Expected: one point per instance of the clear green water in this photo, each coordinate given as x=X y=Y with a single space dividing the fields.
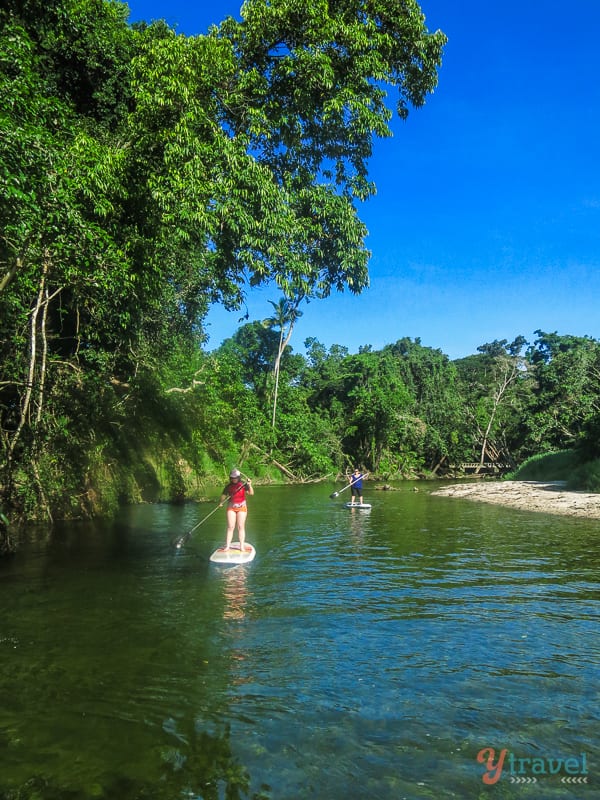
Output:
x=363 y=654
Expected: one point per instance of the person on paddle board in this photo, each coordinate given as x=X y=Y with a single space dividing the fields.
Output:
x=237 y=511
x=356 y=486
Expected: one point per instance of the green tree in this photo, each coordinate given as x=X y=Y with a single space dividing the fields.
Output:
x=567 y=391
x=306 y=441
x=432 y=380
x=309 y=97
x=495 y=384
x=253 y=347
x=286 y=314
x=147 y=174
x=57 y=180
x=369 y=406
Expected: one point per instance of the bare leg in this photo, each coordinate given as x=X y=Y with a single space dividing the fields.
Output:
x=241 y=526
x=230 y=526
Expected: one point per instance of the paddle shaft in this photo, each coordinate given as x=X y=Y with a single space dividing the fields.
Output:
x=183 y=539
x=335 y=494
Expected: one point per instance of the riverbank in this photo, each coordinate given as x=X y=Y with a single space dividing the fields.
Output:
x=548 y=497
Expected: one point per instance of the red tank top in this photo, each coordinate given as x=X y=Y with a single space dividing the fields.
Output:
x=236 y=492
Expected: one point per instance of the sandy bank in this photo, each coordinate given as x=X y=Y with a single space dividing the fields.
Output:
x=549 y=498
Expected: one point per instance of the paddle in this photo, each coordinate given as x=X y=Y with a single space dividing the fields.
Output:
x=335 y=494
x=246 y=479
x=183 y=539
x=244 y=476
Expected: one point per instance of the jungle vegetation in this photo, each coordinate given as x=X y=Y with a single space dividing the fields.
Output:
x=146 y=175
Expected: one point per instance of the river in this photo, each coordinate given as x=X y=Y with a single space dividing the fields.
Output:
x=426 y=648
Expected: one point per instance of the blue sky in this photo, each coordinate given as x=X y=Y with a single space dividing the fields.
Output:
x=486 y=222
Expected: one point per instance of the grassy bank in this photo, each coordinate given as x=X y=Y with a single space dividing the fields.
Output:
x=565 y=465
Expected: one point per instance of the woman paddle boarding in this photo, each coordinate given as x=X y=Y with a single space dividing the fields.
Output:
x=356 y=482
x=237 y=511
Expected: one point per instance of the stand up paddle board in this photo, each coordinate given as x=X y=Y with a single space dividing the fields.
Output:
x=233 y=555
x=358 y=505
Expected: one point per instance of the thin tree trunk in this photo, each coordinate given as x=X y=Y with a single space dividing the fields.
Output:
x=10 y=274
x=508 y=378
x=276 y=370
x=282 y=345
x=32 y=366
x=285 y=470
x=42 y=381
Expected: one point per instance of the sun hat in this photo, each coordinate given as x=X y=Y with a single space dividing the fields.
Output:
x=235 y=473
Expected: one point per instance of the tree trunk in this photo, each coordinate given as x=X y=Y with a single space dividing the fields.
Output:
x=32 y=366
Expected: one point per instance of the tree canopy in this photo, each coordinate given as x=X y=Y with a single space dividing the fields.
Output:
x=146 y=175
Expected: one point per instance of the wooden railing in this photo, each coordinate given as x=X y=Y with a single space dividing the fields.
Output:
x=487 y=466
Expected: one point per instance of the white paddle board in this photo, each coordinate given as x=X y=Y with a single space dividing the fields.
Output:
x=233 y=555
x=358 y=505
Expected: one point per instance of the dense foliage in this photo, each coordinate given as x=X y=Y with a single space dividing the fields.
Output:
x=146 y=175
x=408 y=410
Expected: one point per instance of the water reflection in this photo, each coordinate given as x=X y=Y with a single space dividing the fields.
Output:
x=235 y=592
x=357 y=527
x=360 y=655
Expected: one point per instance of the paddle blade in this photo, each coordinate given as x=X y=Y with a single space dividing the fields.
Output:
x=335 y=494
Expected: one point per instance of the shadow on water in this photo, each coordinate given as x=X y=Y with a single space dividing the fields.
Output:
x=364 y=653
